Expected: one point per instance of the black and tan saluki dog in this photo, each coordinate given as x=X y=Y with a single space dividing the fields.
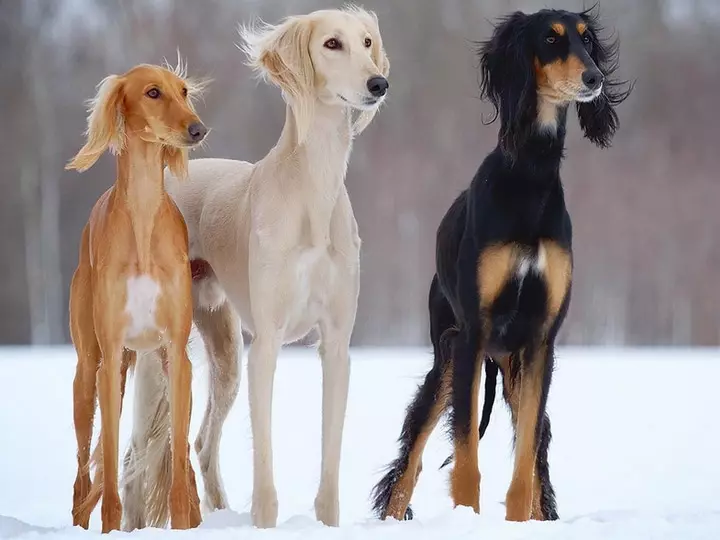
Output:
x=504 y=261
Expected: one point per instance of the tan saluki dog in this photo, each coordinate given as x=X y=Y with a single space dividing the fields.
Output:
x=131 y=290
x=275 y=244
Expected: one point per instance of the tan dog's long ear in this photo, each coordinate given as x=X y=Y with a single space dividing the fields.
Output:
x=281 y=53
x=106 y=125
x=379 y=58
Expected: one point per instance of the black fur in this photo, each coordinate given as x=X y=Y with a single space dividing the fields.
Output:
x=516 y=198
x=441 y=329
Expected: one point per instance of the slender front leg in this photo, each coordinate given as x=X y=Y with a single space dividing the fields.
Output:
x=335 y=357
x=465 y=479
x=84 y=388
x=262 y=362
x=181 y=498
x=109 y=393
x=536 y=366
x=544 y=506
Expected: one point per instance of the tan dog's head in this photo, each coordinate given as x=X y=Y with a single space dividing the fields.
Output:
x=332 y=56
x=150 y=102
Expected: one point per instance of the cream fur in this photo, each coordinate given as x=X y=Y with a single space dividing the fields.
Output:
x=283 y=242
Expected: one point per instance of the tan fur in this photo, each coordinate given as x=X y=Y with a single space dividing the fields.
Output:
x=512 y=395
x=465 y=476
x=559 y=28
x=403 y=489
x=558 y=274
x=581 y=28
x=131 y=289
x=519 y=498
x=282 y=241
x=560 y=81
x=495 y=264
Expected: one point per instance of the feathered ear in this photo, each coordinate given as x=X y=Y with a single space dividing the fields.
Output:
x=598 y=118
x=508 y=80
x=106 y=125
x=379 y=58
x=281 y=53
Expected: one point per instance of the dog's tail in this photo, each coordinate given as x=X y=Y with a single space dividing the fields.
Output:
x=491 y=372
x=147 y=466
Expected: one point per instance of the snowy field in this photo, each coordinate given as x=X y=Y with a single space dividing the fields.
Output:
x=635 y=455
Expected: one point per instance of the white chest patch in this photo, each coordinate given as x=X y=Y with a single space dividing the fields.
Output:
x=536 y=263
x=142 y=295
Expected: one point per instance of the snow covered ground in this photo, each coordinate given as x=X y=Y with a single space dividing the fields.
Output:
x=635 y=453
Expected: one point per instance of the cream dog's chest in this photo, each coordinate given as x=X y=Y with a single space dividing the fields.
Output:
x=315 y=274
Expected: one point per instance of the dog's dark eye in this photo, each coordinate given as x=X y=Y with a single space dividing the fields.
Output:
x=550 y=39
x=153 y=93
x=184 y=92
x=586 y=39
x=333 y=44
x=368 y=42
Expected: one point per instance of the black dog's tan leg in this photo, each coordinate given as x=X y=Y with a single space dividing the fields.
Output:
x=392 y=495
x=465 y=478
x=527 y=396
x=543 y=499
x=394 y=492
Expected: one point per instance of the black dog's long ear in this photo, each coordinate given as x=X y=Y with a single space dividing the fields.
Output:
x=508 y=80
x=598 y=118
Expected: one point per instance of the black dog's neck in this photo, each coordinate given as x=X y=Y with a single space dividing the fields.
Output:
x=542 y=149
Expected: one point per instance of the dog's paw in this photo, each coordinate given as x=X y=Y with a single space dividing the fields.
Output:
x=264 y=510
x=327 y=508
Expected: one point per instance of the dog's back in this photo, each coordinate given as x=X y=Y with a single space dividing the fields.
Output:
x=214 y=191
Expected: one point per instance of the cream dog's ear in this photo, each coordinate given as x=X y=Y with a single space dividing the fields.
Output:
x=281 y=53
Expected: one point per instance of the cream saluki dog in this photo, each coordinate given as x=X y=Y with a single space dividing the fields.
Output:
x=131 y=290
x=275 y=244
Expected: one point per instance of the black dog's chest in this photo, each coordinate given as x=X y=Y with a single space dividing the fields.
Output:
x=521 y=215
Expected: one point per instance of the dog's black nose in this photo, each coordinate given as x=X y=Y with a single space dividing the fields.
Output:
x=378 y=86
x=592 y=79
x=197 y=131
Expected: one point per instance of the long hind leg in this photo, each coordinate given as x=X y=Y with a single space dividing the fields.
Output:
x=84 y=387
x=526 y=381
x=391 y=496
x=220 y=329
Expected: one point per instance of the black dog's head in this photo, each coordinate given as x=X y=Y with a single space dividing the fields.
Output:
x=554 y=57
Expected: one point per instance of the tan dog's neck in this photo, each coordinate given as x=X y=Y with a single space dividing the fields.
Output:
x=140 y=189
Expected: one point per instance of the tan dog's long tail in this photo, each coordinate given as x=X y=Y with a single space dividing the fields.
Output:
x=147 y=474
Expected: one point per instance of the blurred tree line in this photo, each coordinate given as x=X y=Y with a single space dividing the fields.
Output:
x=645 y=212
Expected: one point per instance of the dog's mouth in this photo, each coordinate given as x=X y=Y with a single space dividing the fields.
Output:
x=181 y=142
x=587 y=95
x=565 y=93
x=168 y=137
x=367 y=103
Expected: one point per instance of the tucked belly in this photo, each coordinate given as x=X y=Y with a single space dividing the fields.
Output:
x=520 y=310
x=142 y=332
